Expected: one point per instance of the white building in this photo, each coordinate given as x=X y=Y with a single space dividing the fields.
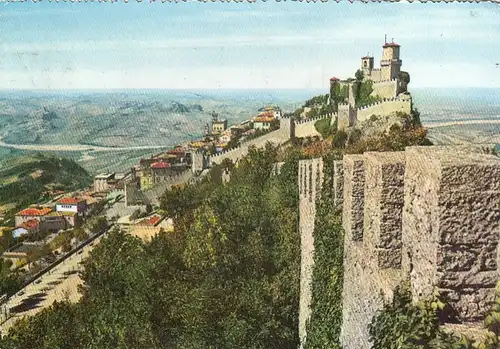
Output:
x=101 y=182
x=74 y=205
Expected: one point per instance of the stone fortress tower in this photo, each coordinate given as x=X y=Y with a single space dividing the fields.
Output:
x=390 y=64
x=387 y=85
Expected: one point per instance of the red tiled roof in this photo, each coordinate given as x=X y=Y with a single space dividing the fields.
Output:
x=160 y=164
x=267 y=114
x=365 y=57
x=153 y=220
x=34 y=211
x=390 y=44
x=69 y=201
x=263 y=119
x=334 y=79
x=31 y=224
x=176 y=151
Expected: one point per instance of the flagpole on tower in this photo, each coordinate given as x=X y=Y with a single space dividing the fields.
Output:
x=385 y=40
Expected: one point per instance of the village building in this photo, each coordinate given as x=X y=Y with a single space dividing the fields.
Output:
x=146 y=228
x=218 y=125
x=225 y=137
x=72 y=205
x=29 y=214
x=102 y=182
x=19 y=254
x=274 y=112
x=263 y=122
x=63 y=220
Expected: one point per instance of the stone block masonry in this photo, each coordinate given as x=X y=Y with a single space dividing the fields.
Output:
x=384 y=192
x=428 y=214
x=354 y=196
x=310 y=181
x=373 y=259
x=452 y=226
x=338 y=183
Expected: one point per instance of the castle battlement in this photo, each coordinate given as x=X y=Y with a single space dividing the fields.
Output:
x=324 y=116
x=428 y=214
x=385 y=100
x=386 y=81
x=386 y=85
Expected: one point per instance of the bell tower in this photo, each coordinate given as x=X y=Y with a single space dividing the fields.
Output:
x=390 y=64
x=367 y=65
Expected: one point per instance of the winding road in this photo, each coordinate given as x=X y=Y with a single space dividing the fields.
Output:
x=75 y=147
x=457 y=123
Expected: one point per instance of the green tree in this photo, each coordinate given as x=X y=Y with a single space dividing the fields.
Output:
x=116 y=293
x=9 y=280
x=80 y=234
x=97 y=224
x=339 y=139
x=359 y=75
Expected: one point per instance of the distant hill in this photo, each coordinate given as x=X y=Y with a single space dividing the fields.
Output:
x=23 y=180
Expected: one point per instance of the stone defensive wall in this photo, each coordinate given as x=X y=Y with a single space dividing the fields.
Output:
x=310 y=180
x=288 y=129
x=134 y=195
x=427 y=214
x=277 y=137
x=305 y=128
x=388 y=106
x=385 y=89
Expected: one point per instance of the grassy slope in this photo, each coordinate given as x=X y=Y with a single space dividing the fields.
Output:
x=18 y=186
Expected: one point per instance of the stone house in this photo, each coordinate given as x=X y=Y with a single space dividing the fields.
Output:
x=263 y=122
x=72 y=205
x=30 y=214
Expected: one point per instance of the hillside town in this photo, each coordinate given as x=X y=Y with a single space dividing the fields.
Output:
x=43 y=234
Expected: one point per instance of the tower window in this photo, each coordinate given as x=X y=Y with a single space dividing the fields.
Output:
x=366 y=63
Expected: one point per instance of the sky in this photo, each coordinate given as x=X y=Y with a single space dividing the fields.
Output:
x=261 y=45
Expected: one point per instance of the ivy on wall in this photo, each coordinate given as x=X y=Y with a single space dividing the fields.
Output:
x=323 y=329
x=401 y=324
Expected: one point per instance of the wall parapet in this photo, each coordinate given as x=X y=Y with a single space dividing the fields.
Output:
x=310 y=180
x=324 y=116
x=384 y=100
x=430 y=214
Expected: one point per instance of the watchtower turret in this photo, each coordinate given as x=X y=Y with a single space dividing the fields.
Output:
x=367 y=65
x=390 y=64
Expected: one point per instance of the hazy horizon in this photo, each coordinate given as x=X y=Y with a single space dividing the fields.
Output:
x=258 y=45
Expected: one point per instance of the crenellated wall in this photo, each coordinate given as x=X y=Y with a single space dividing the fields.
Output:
x=288 y=130
x=306 y=128
x=277 y=137
x=427 y=214
x=385 y=89
x=135 y=196
x=386 y=107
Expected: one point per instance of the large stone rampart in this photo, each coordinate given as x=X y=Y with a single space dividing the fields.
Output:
x=353 y=207
x=306 y=128
x=385 y=107
x=385 y=89
x=427 y=214
x=452 y=226
x=277 y=137
x=310 y=179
